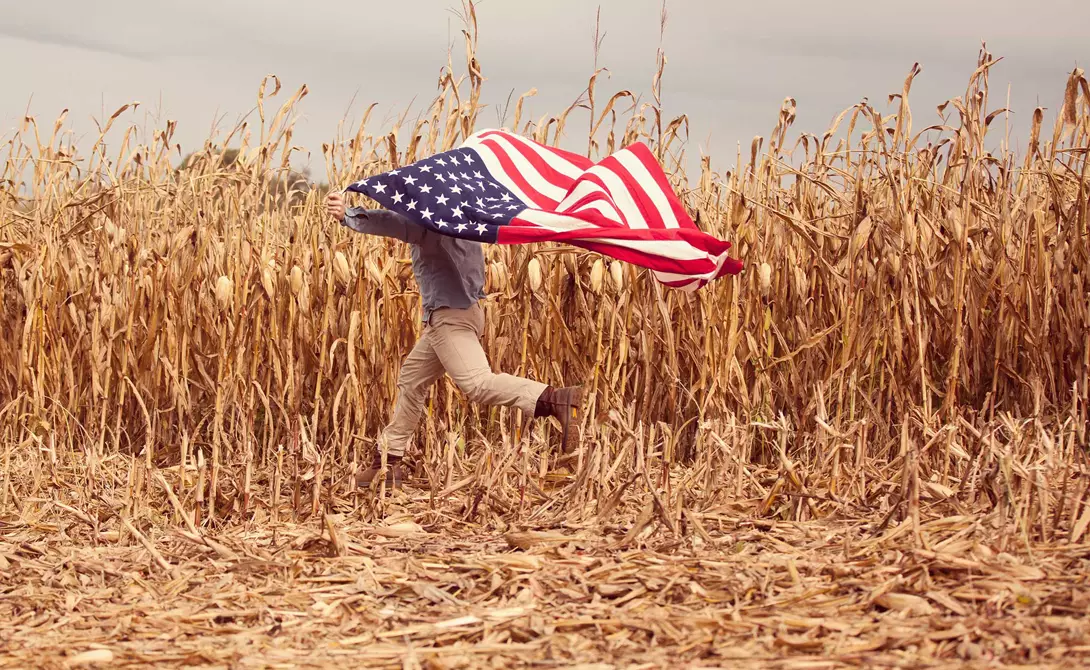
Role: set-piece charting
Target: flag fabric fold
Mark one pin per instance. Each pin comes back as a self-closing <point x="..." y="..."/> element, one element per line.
<point x="500" y="188"/>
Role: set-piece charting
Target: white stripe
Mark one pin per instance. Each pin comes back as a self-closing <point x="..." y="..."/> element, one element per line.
<point x="679" y="250"/>
<point x="618" y="193"/>
<point x="582" y="190"/>
<point x="707" y="276"/>
<point x="674" y="249"/>
<point x="552" y="221"/>
<point x="554" y="161"/>
<point x="688" y="286"/>
<point x="492" y="164"/>
<point x="523" y="167"/>
<point x="638" y="170"/>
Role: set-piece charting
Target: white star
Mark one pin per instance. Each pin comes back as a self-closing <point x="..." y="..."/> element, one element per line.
<point x="426" y="214"/>
<point x="464" y="205"/>
<point x="493" y="199"/>
<point x="480" y="203"/>
<point x="425" y="189"/>
<point x="454" y="159"/>
<point x="442" y="200"/>
<point x="398" y="197"/>
<point x="457" y="212"/>
<point x="412" y="204"/>
<point x="395" y="172"/>
<point x="506" y="197"/>
<point x="481" y="184"/>
<point x="425" y="168"/>
<point x="468" y="159"/>
<point x="442" y="223"/>
<point x="441" y="162"/>
<point x="440" y="177"/>
<point x="460" y="227"/>
<point x="456" y="189"/>
<point x="452" y="176"/>
<point x="465" y="176"/>
<point x="410" y="180"/>
<point x="477" y="175"/>
<point x="470" y="187"/>
<point x="510" y="207"/>
<point x="381" y="188"/>
<point x="482" y="229"/>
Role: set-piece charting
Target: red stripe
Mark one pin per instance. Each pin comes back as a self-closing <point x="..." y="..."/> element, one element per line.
<point x="640" y="258"/>
<point x="592" y="198"/>
<point x="546" y="171"/>
<point x="652" y="164"/>
<point x="578" y="160"/>
<point x="511" y="172"/>
<point x="595" y="179"/>
<point x="650" y="261"/>
<point x="604" y="228"/>
<point x="730" y="267"/>
<point x="647" y="207"/>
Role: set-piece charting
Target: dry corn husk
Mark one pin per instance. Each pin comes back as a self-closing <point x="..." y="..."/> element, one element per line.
<point x="859" y="237"/>
<point x="376" y="274"/>
<point x="616" y="273"/>
<point x="303" y="299"/>
<point x="498" y="276"/>
<point x="526" y="540"/>
<point x="597" y="274"/>
<point x="92" y="657"/>
<point x="116" y="234"/>
<point x="904" y="602"/>
<point x="765" y="278"/>
<point x="402" y="529"/>
<point x="225" y="290"/>
<point x="296" y="280"/>
<point x="894" y="260"/>
<point x="533" y="272"/>
<point x="569" y="265"/>
<point x="802" y="282"/>
<point x="342" y="268"/>
<point x="268" y="282"/>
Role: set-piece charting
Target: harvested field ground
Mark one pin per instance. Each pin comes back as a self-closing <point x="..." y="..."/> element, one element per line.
<point x="867" y="450"/>
<point x="429" y="590"/>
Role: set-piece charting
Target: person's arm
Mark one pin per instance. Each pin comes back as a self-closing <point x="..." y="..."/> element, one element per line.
<point x="383" y="222"/>
<point x="374" y="221"/>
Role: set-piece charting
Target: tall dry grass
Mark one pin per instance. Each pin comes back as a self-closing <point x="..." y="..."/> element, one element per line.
<point x="910" y="336"/>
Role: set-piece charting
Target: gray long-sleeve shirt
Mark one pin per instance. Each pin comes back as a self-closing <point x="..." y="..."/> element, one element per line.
<point x="449" y="270"/>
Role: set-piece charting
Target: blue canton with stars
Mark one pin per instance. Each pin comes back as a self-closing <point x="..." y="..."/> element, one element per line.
<point x="451" y="193"/>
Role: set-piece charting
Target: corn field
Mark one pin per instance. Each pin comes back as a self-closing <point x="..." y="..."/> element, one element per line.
<point x="869" y="448"/>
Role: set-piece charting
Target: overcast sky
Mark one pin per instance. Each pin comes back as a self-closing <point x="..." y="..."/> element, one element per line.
<point x="731" y="62"/>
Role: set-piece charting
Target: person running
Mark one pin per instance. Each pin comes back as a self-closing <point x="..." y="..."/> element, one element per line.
<point x="450" y="273"/>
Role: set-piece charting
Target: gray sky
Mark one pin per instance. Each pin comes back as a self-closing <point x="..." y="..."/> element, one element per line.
<point x="731" y="62"/>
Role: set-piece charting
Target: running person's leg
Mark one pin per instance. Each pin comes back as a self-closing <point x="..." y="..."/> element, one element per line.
<point x="456" y="340"/>
<point x="418" y="372"/>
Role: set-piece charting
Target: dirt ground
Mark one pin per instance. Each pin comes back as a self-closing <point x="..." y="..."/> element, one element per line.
<point x="426" y="589"/>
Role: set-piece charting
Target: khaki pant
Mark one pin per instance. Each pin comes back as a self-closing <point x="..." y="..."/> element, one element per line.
<point x="452" y="344"/>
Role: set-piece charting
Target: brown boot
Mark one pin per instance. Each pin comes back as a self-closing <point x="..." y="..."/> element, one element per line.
<point x="563" y="404"/>
<point x="395" y="472"/>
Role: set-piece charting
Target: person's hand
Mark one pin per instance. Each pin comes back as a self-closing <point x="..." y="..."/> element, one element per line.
<point x="334" y="206"/>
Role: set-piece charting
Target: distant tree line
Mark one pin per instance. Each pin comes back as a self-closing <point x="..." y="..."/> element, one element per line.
<point x="281" y="185"/>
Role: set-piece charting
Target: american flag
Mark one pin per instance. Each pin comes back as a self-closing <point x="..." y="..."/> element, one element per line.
<point x="499" y="188"/>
